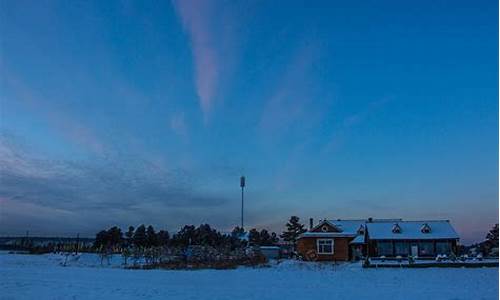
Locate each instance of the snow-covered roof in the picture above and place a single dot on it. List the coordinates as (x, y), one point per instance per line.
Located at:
(409, 230)
(326, 234)
(380, 229)
(348, 226)
(360, 239)
(351, 226)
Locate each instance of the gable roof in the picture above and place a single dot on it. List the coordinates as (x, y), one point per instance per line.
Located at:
(360, 239)
(325, 234)
(383, 230)
(319, 228)
(348, 226)
(342, 228)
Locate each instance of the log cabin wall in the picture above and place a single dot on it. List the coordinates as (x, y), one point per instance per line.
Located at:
(341, 249)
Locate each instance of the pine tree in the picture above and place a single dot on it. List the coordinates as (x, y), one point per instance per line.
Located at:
(184, 237)
(115, 236)
(163, 238)
(130, 233)
(238, 238)
(238, 232)
(130, 236)
(274, 238)
(492, 237)
(205, 235)
(254, 237)
(140, 236)
(293, 229)
(151, 238)
(265, 238)
(101, 239)
(490, 242)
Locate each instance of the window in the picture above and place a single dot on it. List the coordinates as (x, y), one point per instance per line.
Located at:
(402, 248)
(443, 248)
(426, 248)
(324, 228)
(384, 249)
(396, 228)
(361, 230)
(425, 228)
(325, 246)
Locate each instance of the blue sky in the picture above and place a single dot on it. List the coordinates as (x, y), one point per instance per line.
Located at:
(130, 112)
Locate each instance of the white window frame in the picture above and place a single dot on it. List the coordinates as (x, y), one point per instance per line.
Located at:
(324, 240)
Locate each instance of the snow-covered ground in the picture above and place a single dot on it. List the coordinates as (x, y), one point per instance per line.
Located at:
(42, 277)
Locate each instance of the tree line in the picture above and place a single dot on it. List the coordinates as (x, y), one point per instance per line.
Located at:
(205, 235)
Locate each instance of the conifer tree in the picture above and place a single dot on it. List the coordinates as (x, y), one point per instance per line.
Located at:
(130, 234)
(238, 238)
(265, 238)
(274, 238)
(151, 238)
(254, 237)
(492, 237)
(101, 239)
(185, 236)
(140, 236)
(115, 236)
(163, 238)
(293, 229)
(490, 242)
(238, 232)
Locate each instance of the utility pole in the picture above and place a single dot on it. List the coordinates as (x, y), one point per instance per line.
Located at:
(242, 185)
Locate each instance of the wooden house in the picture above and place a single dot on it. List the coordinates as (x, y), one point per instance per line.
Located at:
(330, 240)
(342, 240)
(416, 238)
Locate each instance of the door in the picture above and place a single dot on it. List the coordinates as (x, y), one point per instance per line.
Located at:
(414, 250)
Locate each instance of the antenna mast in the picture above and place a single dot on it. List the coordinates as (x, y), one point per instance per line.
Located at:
(242, 185)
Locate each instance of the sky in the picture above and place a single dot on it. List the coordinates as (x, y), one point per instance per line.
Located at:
(131, 112)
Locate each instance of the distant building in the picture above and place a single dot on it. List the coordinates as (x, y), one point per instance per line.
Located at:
(270, 252)
(341, 240)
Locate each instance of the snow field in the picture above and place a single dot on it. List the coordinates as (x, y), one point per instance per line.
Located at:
(43, 277)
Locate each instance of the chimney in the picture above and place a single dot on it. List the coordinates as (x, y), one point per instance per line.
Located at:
(311, 223)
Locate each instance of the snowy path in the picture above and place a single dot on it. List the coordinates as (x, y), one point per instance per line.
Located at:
(40, 277)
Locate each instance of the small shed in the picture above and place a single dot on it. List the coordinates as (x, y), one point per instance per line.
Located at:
(270, 252)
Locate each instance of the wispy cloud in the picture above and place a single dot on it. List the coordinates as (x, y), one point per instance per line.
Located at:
(338, 136)
(363, 114)
(101, 190)
(216, 36)
(196, 17)
(293, 92)
(178, 124)
(67, 125)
